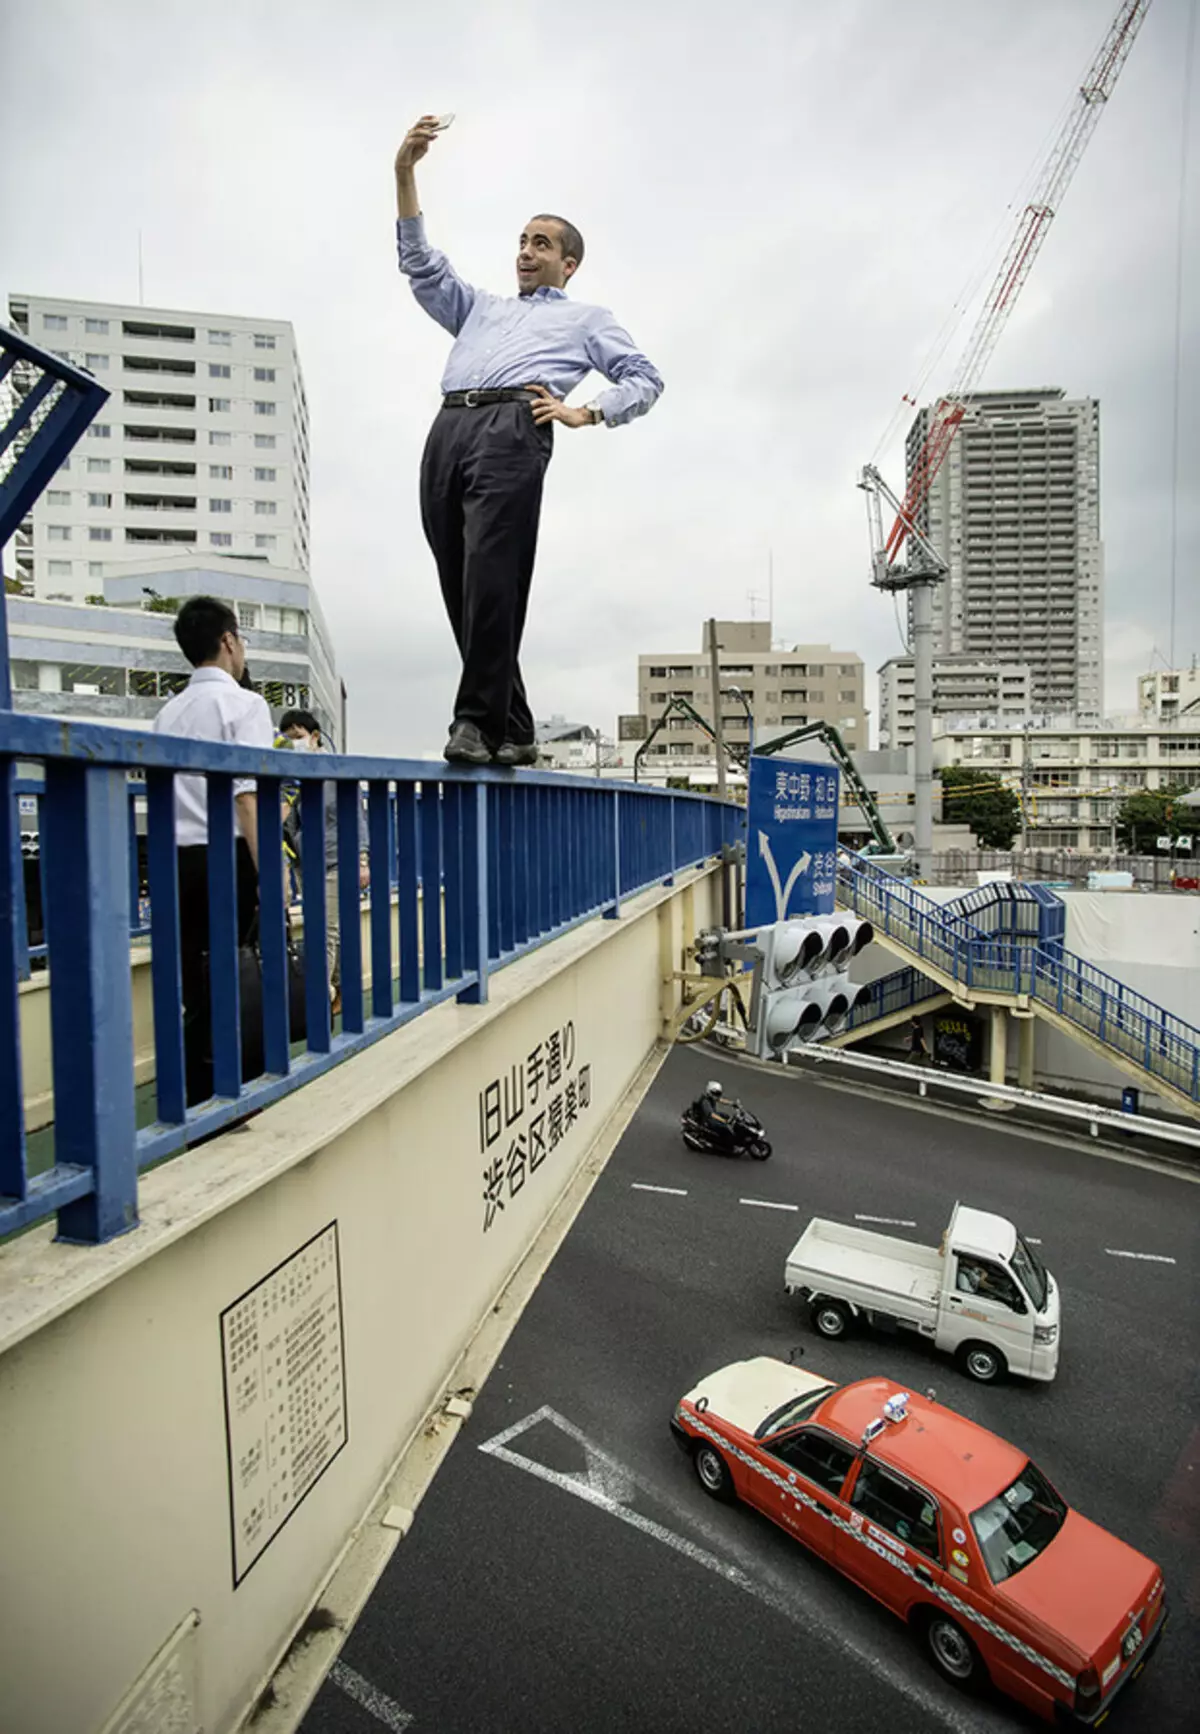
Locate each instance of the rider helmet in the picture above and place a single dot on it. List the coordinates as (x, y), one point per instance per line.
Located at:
(713, 1089)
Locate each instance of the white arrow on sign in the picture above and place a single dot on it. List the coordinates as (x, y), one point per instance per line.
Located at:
(782, 892)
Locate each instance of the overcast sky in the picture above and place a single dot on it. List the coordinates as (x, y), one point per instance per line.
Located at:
(782, 201)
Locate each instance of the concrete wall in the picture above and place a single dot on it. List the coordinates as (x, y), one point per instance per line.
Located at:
(115, 1475)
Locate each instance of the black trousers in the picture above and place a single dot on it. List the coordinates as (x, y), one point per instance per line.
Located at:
(193, 956)
(481, 497)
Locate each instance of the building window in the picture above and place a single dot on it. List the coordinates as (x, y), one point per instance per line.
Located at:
(98, 327)
(221, 472)
(265, 374)
(222, 339)
(99, 500)
(264, 508)
(58, 532)
(220, 539)
(95, 568)
(220, 505)
(99, 430)
(97, 535)
(219, 405)
(99, 466)
(262, 340)
(219, 370)
(58, 497)
(247, 613)
(54, 321)
(264, 541)
(262, 475)
(220, 439)
(263, 406)
(95, 363)
(59, 568)
(264, 442)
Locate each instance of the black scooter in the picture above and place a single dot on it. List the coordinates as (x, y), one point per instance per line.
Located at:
(734, 1131)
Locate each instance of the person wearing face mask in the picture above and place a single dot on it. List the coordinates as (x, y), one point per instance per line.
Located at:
(303, 731)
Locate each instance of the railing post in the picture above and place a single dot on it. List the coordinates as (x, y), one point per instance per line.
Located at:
(165, 983)
(475, 892)
(13, 1178)
(614, 908)
(85, 838)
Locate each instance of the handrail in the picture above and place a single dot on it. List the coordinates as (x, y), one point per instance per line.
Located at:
(519, 860)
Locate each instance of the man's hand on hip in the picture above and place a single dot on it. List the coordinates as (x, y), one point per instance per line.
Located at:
(547, 407)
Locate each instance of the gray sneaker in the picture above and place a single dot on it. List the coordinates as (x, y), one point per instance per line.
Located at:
(466, 746)
(513, 754)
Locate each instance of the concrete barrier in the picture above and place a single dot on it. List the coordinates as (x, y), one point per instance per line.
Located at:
(197, 1415)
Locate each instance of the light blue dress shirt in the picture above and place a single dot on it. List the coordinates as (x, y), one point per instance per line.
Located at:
(514, 340)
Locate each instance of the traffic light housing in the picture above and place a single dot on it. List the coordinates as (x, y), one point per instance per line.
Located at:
(801, 990)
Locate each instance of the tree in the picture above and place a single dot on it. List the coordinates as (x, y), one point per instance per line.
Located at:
(979, 799)
(163, 605)
(1147, 815)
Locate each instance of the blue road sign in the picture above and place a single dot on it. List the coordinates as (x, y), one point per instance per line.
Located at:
(791, 846)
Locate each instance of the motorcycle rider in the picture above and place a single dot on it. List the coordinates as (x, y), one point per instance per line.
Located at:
(709, 1108)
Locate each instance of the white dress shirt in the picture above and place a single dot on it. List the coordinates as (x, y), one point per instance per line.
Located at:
(211, 707)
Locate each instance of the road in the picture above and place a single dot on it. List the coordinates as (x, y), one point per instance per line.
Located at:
(566, 1572)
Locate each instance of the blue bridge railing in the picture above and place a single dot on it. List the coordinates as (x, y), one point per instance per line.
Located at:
(1164, 1046)
(518, 860)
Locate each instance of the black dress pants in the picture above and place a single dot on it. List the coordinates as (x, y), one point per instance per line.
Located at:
(193, 956)
(481, 497)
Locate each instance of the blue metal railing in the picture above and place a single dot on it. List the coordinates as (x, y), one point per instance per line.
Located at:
(892, 993)
(518, 861)
(1096, 1003)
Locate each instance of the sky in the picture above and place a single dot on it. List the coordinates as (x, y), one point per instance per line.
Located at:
(783, 201)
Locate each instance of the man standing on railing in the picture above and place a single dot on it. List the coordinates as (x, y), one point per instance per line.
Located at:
(513, 362)
(213, 706)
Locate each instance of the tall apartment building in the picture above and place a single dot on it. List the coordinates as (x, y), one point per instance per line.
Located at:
(960, 684)
(201, 448)
(783, 687)
(1015, 514)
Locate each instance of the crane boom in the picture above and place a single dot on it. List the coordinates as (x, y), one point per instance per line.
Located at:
(1032, 229)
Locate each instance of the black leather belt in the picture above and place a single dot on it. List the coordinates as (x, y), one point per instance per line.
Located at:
(478, 399)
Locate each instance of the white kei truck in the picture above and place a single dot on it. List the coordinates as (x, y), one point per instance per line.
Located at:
(983, 1295)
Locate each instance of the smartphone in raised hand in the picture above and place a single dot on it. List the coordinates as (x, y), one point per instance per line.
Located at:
(442, 122)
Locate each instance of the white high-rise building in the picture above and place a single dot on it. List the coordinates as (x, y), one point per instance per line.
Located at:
(202, 447)
(961, 684)
(1015, 513)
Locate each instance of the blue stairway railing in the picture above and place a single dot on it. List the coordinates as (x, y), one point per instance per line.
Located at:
(894, 993)
(1097, 1004)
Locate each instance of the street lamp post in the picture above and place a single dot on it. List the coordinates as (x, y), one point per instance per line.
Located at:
(736, 692)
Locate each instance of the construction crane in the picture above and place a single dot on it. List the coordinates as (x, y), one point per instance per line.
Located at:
(924, 566)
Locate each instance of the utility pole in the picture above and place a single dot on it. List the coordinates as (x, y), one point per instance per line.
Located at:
(718, 730)
(1024, 793)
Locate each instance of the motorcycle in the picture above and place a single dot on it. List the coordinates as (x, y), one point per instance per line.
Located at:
(735, 1131)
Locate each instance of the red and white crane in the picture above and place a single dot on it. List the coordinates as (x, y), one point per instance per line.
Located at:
(925, 566)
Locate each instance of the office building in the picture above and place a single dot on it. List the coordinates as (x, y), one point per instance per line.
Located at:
(961, 685)
(1169, 692)
(783, 687)
(1015, 514)
(201, 448)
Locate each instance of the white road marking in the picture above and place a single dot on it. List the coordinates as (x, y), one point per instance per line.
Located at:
(1150, 1257)
(1033, 1240)
(377, 1703)
(888, 1221)
(767, 1204)
(608, 1484)
(672, 1191)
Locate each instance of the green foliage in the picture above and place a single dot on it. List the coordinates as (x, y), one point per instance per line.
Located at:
(96, 601)
(1147, 815)
(163, 605)
(979, 799)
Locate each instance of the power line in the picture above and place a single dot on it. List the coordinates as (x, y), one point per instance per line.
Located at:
(1181, 228)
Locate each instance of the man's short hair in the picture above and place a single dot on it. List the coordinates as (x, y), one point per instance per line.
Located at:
(299, 719)
(200, 626)
(572, 240)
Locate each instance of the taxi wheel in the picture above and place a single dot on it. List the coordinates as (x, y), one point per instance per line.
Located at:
(952, 1652)
(830, 1319)
(713, 1473)
(980, 1361)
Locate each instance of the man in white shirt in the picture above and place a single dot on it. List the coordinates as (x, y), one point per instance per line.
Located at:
(212, 707)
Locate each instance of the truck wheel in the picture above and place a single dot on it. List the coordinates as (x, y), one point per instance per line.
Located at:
(952, 1652)
(713, 1473)
(830, 1318)
(980, 1361)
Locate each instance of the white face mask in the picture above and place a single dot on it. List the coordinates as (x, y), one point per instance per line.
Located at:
(303, 744)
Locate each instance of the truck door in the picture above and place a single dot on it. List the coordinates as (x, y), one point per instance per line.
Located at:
(984, 1303)
(892, 1546)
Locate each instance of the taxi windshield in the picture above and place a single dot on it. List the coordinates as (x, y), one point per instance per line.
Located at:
(1031, 1273)
(793, 1412)
(1014, 1528)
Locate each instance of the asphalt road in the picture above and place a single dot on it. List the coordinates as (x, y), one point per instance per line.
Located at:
(566, 1572)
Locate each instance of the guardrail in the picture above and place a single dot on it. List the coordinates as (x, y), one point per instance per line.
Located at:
(519, 860)
(1096, 1003)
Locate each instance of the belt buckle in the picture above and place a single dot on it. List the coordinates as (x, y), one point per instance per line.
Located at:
(471, 399)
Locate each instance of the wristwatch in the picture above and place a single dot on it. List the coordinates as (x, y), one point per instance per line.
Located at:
(596, 413)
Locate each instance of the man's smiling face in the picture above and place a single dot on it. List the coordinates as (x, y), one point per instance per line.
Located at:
(540, 261)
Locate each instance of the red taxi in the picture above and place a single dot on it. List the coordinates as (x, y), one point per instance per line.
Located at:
(949, 1526)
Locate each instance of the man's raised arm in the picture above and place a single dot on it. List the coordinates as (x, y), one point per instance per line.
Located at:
(437, 287)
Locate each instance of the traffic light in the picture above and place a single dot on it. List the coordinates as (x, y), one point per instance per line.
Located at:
(801, 990)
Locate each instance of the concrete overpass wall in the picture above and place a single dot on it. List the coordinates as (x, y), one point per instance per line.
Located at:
(197, 1415)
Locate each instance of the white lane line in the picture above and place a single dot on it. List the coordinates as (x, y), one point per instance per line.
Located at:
(767, 1204)
(1033, 1240)
(888, 1221)
(377, 1703)
(671, 1191)
(1150, 1257)
(609, 1485)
